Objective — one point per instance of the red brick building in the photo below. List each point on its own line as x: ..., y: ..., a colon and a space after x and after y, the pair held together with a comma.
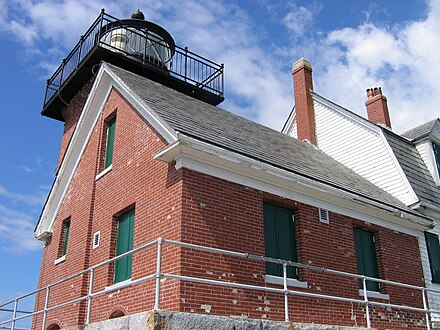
x: 145, y: 156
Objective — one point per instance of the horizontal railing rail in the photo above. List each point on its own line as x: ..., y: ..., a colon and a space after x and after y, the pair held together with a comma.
x: 158, y: 275
x: 185, y: 65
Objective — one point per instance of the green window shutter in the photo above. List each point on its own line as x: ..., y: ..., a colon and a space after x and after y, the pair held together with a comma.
x: 111, y: 127
x: 432, y: 244
x: 66, y: 236
x: 279, y: 237
x: 366, y: 257
x: 124, y: 243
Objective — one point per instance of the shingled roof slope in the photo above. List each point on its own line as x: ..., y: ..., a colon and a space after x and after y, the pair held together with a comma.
x: 414, y: 168
x: 243, y: 136
x: 420, y: 131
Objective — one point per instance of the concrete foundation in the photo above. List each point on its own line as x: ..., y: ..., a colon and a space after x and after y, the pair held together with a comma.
x: 186, y: 321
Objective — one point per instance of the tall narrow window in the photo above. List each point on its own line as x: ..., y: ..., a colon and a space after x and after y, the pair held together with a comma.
x: 110, y: 142
x: 64, y: 237
x: 434, y: 255
x: 279, y: 238
x: 124, y: 243
x: 366, y: 257
x: 436, y: 148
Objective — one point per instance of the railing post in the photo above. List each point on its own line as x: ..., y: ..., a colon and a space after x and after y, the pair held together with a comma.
x: 14, y: 314
x: 158, y: 273
x: 46, y: 304
x: 186, y: 62
x: 101, y: 19
x: 425, y: 307
x: 367, y: 305
x: 89, y: 295
x: 286, y: 297
x: 223, y: 80
x: 80, y: 49
x: 62, y: 71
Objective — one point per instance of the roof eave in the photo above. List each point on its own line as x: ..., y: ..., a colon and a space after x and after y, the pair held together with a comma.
x: 194, y: 154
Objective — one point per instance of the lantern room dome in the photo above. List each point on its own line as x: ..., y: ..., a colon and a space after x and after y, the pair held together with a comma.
x: 138, y: 15
x: 139, y: 39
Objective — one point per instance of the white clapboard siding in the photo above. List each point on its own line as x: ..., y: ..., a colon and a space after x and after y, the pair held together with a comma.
x: 362, y: 148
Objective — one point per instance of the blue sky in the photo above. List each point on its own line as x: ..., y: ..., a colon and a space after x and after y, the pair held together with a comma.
x: 352, y: 45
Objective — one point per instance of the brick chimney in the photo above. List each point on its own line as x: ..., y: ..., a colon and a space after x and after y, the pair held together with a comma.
x: 377, y: 107
x: 305, y: 113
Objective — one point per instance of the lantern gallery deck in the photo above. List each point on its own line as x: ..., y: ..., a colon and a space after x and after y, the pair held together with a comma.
x: 137, y: 45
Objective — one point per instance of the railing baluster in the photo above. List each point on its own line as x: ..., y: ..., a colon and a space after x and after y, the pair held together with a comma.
x: 46, y: 304
x: 286, y: 293
x: 89, y: 296
x: 14, y: 314
x: 425, y: 307
x: 367, y: 305
x: 158, y: 274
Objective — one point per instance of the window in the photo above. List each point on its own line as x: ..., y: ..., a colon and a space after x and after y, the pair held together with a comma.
x: 434, y: 255
x: 436, y: 148
x: 279, y: 238
x: 110, y: 142
x: 124, y: 243
x: 366, y: 257
x: 64, y: 237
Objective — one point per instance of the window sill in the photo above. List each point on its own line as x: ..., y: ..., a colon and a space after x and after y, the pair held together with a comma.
x: 290, y: 281
x: 60, y: 260
x: 100, y: 175
x: 374, y: 294
x: 119, y: 285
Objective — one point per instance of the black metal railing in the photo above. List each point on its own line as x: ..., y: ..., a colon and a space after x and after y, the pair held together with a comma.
x: 184, y: 65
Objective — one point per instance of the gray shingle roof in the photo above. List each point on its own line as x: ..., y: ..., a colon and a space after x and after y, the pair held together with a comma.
x: 414, y: 168
x: 243, y: 136
x: 420, y: 131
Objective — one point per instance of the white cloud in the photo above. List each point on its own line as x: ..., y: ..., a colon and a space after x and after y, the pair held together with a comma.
x: 298, y: 19
x: 401, y: 59
x: 16, y: 231
x: 28, y: 199
x: 18, y: 213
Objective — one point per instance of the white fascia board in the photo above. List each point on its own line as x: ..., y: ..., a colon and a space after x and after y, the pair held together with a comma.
x: 205, y: 158
x: 291, y: 121
x: 105, y: 81
x: 168, y: 133
x: 372, y: 127
x: 98, y: 96
x: 402, y: 175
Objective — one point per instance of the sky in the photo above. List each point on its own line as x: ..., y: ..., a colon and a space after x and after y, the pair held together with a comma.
x: 352, y: 45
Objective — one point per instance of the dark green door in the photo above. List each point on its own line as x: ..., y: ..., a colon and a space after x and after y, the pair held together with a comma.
x: 366, y: 257
x: 279, y: 237
x: 124, y: 243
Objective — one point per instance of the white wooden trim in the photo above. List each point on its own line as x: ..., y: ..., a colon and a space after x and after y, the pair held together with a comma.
x: 202, y: 157
x: 100, y: 175
x: 375, y: 294
x: 59, y: 260
x: 280, y: 280
x: 104, y: 82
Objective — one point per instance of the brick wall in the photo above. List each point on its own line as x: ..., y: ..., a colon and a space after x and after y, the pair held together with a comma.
x: 135, y: 180
x: 230, y: 216
x: 188, y: 206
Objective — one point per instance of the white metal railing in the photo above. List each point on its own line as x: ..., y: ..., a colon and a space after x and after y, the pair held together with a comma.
x: 158, y: 275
